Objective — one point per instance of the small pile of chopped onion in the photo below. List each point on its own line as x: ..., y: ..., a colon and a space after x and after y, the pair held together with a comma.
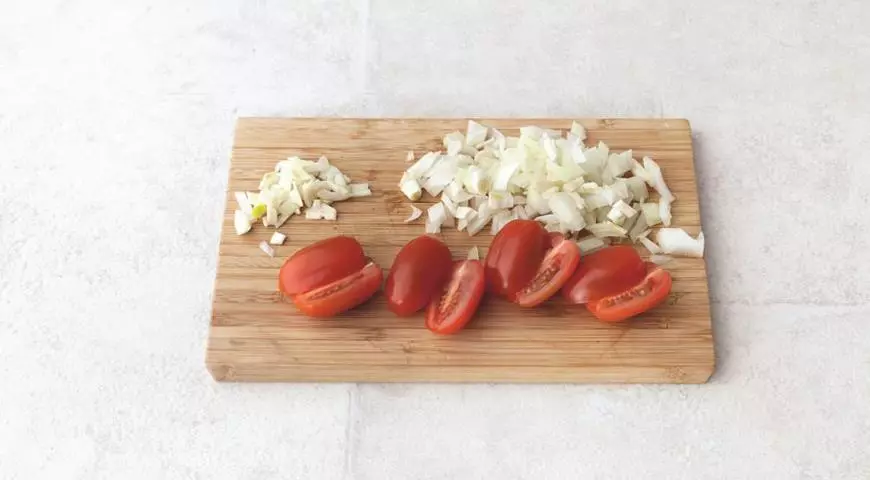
x: 483, y: 177
x: 296, y: 183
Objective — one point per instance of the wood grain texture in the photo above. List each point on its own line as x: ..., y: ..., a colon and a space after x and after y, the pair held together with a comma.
x: 255, y: 336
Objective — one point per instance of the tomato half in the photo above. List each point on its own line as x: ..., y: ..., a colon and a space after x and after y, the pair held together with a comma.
x: 320, y: 263
x: 604, y: 273
x: 652, y: 290
x: 450, y: 312
x: 556, y: 269
x: 514, y: 256
x: 419, y: 272
x: 342, y: 294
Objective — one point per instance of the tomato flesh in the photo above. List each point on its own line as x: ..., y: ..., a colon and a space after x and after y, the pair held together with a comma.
x: 515, y: 256
x: 418, y: 274
x: 557, y: 268
x: 652, y: 290
x: 342, y: 294
x: 606, y: 272
x: 453, y: 309
x: 320, y: 263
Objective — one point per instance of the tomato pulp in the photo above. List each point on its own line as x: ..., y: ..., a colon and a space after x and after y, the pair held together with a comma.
x: 606, y: 272
x: 329, y: 277
x: 453, y: 309
x: 527, y: 265
x: 418, y: 274
x: 652, y: 290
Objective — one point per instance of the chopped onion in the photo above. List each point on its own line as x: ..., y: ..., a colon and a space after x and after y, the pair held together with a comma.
x: 651, y: 213
x: 360, y: 190
x: 265, y: 247
x: 590, y: 244
x: 277, y: 238
x: 474, y: 254
x: 415, y: 214
x: 454, y: 142
x: 578, y: 131
x: 676, y: 241
x: 243, y: 202
x: 660, y: 259
x: 411, y: 189
x: 242, y: 222
x: 475, y: 134
x: 410, y: 156
x: 650, y: 245
x: 606, y: 229
x: 565, y: 209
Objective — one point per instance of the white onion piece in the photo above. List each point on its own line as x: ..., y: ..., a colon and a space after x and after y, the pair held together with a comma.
x: 267, y: 249
x: 590, y: 244
x: 243, y: 202
x: 474, y: 254
x: 565, y: 209
x: 660, y: 259
x: 651, y: 213
x: 454, y: 142
x: 241, y: 222
x: 675, y: 241
x: 578, y: 130
x: 606, y: 229
x: 411, y: 189
x: 475, y: 134
x: 650, y: 245
x: 277, y: 238
x: 360, y: 190
x: 665, y: 212
x: 410, y: 156
x: 656, y: 180
x: 415, y: 214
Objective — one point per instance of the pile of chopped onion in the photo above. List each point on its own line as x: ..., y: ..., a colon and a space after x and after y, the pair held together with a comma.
x: 483, y: 177
x: 296, y: 183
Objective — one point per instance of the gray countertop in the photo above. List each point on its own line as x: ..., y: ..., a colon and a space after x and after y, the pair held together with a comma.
x: 115, y: 125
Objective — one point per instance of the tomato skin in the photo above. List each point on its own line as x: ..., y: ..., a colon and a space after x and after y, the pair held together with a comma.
x: 450, y: 311
x: 514, y: 256
x: 319, y: 264
x: 420, y: 270
x: 652, y: 290
x: 604, y: 273
x: 341, y: 295
x: 557, y: 268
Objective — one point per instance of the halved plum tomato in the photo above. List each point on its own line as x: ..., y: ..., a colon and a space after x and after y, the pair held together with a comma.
x: 419, y: 272
x: 556, y: 269
x: 340, y: 295
x: 514, y: 256
x: 450, y: 312
x: 652, y: 290
x: 527, y: 265
x: 329, y: 277
x: 321, y: 263
x: 604, y: 273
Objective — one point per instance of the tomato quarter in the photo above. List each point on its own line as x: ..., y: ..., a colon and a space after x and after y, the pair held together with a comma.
x: 557, y: 267
x: 320, y: 263
x: 450, y: 312
x: 419, y: 272
x: 652, y: 290
x: 342, y: 294
x: 604, y: 273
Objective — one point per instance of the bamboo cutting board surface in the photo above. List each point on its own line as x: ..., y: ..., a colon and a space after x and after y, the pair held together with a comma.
x: 255, y: 336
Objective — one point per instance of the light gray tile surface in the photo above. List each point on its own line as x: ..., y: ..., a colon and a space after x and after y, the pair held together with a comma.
x: 115, y: 127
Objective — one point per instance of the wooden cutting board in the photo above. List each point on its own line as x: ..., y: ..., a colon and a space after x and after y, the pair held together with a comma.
x: 255, y: 336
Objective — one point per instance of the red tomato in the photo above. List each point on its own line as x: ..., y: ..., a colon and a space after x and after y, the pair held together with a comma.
x: 320, y: 263
x: 558, y: 266
x: 604, y: 273
x: 449, y: 312
x: 514, y: 256
x: 652, y: 290
x: 342, y: 294
x: 420, y: 270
